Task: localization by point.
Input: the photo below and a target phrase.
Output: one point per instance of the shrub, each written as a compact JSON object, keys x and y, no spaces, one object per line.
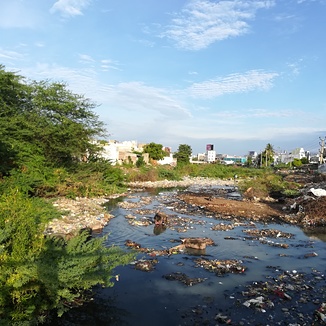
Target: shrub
{"x":39,"y":274}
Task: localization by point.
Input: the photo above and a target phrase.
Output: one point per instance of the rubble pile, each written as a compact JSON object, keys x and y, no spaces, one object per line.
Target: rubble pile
{"x":183,"y":278}
{"x":185,"y":182}
{"x":196,"y":243}
{"x":223,"y":227}
{"x":78,"y":214}
{"x":221,"y":267}
{"x":145,"y":265}
{"x":284,"y":294}
{"x":270,"y":233}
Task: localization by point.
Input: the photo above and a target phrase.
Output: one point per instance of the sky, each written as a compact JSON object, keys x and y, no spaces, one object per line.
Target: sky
{"x":236,"y":74}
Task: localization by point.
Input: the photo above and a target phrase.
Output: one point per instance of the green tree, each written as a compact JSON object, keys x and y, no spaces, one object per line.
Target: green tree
{"x":304,"y":160}
{"x":140,"y":162}
{"x":14,"y":100}
{"x":268,"y":155}
{"x":43,"y":119}
{"x":39,"y":273}
{"x":183,"y":154}
{"x":155,"y":151}
{"x":297,"y":162}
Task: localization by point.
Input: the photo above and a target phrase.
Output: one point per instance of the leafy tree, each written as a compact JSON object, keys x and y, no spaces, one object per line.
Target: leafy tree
{"x":268,"y":155}
{"x":39,"y":274}
{"x":297,"y":162}
{"x":140,"y":162}
{"x":304,"y":160}
{"x":183,"y":154}
{"x":43,"y":119}
{"x":155,"y":151}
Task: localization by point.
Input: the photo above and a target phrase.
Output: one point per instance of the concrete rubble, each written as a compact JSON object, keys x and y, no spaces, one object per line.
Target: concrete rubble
{"x":78,"y":214}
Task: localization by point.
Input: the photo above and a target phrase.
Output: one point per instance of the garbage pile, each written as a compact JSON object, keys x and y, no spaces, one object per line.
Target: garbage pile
{"x":285,"y":298}
{"x":308,"y":210}
{"x":183,"y":278}
{"x":145,"y":265}
{"x":196,"y":243}
{"x":221,"y":267}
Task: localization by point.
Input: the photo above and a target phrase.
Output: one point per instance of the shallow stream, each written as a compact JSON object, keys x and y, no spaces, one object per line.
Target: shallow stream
{"x":147,"y":298}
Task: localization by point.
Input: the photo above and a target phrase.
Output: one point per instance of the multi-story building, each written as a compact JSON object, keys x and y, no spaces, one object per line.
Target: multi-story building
{"x":210,"y":156}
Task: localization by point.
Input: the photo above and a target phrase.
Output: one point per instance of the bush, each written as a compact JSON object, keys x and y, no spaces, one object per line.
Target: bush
{"x":39,"y":274}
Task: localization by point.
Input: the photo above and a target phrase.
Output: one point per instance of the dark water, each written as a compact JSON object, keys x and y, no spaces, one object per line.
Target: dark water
{"x":146,"y":298}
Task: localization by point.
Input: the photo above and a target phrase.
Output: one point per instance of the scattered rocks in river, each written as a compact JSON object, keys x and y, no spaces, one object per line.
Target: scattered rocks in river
{"x":221,"y":267}
{"x":185,"y":182}
{"x":183,"y":278}
{"x":223,"y":227}
{"x":270,"y":233}
{"x":284,"y":295}
{"x":186,"y":243}
{"x":145,"y":265}
{"x":78,"y":214}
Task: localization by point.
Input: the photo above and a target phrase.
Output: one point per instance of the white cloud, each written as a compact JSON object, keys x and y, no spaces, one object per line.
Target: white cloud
{"x":234,"y":83}
{"x":70,"y":8}
{"x":131,"y":97}
{"x":107,"y":64}
{"x":202,"y":22}
{"x":85,"y":58}
{"x":295,"y":67}
{"x":137,"y":97}
{"x":255,"y":113}
{"x":11,"y":55}
{"x":18,"y":14}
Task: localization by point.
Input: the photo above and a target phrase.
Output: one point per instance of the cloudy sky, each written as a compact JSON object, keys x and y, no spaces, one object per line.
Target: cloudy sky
{"x":237,"y":74}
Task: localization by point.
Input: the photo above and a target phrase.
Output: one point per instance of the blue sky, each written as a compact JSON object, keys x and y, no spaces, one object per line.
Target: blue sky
{"x":236,"y":74}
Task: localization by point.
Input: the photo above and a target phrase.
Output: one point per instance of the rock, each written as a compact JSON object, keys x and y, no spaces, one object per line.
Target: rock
{"x":78,"y":214}
{"x":160,"y":218}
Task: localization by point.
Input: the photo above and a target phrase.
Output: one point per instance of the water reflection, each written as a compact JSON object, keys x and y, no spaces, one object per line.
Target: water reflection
{"x":317,"y":233}
{"x":158,"y":229}
{"x":146,"y":298}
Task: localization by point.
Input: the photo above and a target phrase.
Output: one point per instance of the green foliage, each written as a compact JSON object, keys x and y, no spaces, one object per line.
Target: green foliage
{"x":140,"y":162}
{"x":266,"y":158}
{"x":183,"y":154}
{"x":267,"y":184}
{"x":297,"y":163}
{"x":155,"y":151}
{"x":44,"y":121}
{"x":304,"y":160}
{"x":167,"y":173}
{"x":39,"y":274}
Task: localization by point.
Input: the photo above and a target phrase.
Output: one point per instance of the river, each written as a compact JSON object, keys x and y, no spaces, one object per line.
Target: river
{"x":284,"y":276}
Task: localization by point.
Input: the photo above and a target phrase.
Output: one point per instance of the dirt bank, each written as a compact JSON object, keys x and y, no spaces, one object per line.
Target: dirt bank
{"x":306,"y":210}
{"x":239,"y":208}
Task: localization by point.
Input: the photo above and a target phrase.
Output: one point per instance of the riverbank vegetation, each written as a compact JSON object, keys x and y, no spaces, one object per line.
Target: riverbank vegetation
{"x":45,"y":142}
{"x":46,"y":151}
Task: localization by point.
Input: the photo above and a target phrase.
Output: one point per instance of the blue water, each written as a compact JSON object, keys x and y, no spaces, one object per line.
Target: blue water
{"x":146,"y":298}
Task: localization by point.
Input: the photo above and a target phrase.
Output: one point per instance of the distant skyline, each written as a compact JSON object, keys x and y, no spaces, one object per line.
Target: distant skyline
{"x":236,"y":74}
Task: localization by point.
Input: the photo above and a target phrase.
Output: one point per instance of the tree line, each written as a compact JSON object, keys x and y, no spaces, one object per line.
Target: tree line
{"x":46,"y":133}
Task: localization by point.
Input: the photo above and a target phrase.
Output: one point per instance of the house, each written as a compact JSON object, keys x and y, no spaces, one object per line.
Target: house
{"x":122,"y":152}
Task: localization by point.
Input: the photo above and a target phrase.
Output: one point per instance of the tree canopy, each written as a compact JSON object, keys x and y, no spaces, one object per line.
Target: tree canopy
{"x":45,"y":132}
{"x":155,"y":151}
{"x":183,"y":154}
{"x":44,"y":121}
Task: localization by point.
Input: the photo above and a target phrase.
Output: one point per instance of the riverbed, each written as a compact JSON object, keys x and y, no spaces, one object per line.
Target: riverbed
{"x":281,"y":282}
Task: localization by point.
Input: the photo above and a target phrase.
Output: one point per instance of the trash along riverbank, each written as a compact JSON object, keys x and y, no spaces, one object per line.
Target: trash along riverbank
{"x":207,"y":262}
{"x":307,"y":210}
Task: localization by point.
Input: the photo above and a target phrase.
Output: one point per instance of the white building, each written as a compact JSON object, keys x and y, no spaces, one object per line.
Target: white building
{"x":118,"y":152}
{"x":210,"y":156}
{"x":168,"y":160}
{"x":297,"y":153}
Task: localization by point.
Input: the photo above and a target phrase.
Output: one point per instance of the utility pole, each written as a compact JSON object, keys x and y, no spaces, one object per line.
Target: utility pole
{"x":321,"y":151}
